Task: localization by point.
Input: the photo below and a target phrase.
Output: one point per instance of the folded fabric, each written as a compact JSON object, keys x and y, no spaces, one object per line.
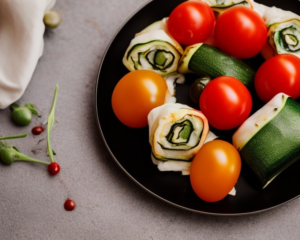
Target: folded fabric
{"x":21,"y":45}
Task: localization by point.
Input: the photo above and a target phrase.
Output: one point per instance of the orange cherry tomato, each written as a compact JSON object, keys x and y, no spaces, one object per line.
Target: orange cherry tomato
{"x":136,"y":94}
{"x":215,"y":170}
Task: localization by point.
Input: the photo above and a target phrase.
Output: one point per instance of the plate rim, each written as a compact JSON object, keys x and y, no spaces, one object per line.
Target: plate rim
{"x":126,"y":172}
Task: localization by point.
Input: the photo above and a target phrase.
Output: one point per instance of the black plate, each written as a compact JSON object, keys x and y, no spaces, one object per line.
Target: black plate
{"x":131,"y":150}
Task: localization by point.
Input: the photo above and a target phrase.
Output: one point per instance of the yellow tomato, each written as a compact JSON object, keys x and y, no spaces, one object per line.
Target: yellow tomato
{"x":136,"y":94}
{"x":215,"y":170}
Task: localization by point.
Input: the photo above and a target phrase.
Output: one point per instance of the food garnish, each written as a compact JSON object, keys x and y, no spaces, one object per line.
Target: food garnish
{"x":10,"y":154}
{"x":37,"y":130}
{"x":51,"y":121}
{"x":69,"y":205}
{"x":52,"y":19}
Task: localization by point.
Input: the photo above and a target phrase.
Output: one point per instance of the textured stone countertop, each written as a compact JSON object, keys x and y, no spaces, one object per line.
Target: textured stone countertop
{"x":109,"y":204}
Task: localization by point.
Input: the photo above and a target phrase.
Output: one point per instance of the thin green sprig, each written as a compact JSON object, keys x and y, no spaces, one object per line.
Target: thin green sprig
{"x":13,"y":137}
{"x":9,"y":155}
{"x":51,"y":121}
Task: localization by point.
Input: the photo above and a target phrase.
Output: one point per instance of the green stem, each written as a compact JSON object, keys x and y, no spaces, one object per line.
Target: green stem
{"x":23,"y":157}
{"x":51,"y":120}
{"x":14,"y":137}
{"x":14,"y":106}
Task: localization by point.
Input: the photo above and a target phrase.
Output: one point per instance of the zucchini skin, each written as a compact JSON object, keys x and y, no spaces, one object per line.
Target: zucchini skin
{"x":276,"y":146}
{"x":211,"y":61}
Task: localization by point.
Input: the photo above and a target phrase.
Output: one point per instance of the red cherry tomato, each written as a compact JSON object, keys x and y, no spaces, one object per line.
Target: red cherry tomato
{"x":53,"y":168}
{"x":240,"y":32}
{"x":69,"y":205}
{"x":191,"y":22}
{"x":226,"y":102}
{"x":278,"y":74}
{"x":136,"y":94}
{"x":215,"y":170}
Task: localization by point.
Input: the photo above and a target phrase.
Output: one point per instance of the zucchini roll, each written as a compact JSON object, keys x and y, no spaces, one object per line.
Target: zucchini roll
{"x":153,"y":49}
{"x":283,"y":31}
{"x":220,"y":6}
{"x":176,"y":133}
{"x":206,"y":60}
{"x":269,"y":141}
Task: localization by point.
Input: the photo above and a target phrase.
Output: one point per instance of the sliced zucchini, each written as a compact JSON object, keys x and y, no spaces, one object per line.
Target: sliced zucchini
{"x":269,"y":141}
{"x":177,"y":132}
{"x":154,"y":50}
{"x":285,"y":37}
{"x":181,"y":166}
{"x":205,"y":60}
{"x":222,"y":5}
{"x":283,"y":30}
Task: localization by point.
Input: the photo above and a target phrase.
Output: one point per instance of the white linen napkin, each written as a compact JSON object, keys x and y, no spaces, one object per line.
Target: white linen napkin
{"x":21,"y":45}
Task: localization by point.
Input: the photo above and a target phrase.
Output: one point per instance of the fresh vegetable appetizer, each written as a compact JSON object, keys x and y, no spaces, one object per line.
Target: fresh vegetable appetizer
{"x":269,"y":140}
{"x":283,"y":31}
{"x":176,"y":133}
{"x":206,"y":60}
{"x":153,"y":50}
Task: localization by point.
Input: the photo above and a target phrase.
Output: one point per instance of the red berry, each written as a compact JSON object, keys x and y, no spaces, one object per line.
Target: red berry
{"x":53,"y":168}
{"x":69,"y":205}
{"x":37,"y":130}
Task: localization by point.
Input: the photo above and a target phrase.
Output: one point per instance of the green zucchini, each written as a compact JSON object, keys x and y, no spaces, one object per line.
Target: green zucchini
{"x":284,"y":37}
{"x":154,"y":50}
{"x":177,"y":132}
{"x":269,"y":141}
{"x":221,"y":6}
{"x":204,"y":60}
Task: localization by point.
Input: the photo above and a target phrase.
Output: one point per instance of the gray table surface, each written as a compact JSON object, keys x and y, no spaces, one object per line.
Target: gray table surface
{"x":109,"y":204}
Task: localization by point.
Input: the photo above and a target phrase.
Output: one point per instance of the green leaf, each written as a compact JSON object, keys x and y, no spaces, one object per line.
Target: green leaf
{"x":51,"y":120}
{"x":16,"y":149}
{"x":32,"y":108}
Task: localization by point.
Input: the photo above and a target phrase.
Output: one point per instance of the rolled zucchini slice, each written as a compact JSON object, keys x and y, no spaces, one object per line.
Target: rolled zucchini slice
{"x":153,"y":50}
{"x":220,"y":6}
{"x":284,"y":37}
{"x":269,"y":141}
{"x":283,"y":31}
{"x":206,"y":60}
{"x":176,"y":133}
